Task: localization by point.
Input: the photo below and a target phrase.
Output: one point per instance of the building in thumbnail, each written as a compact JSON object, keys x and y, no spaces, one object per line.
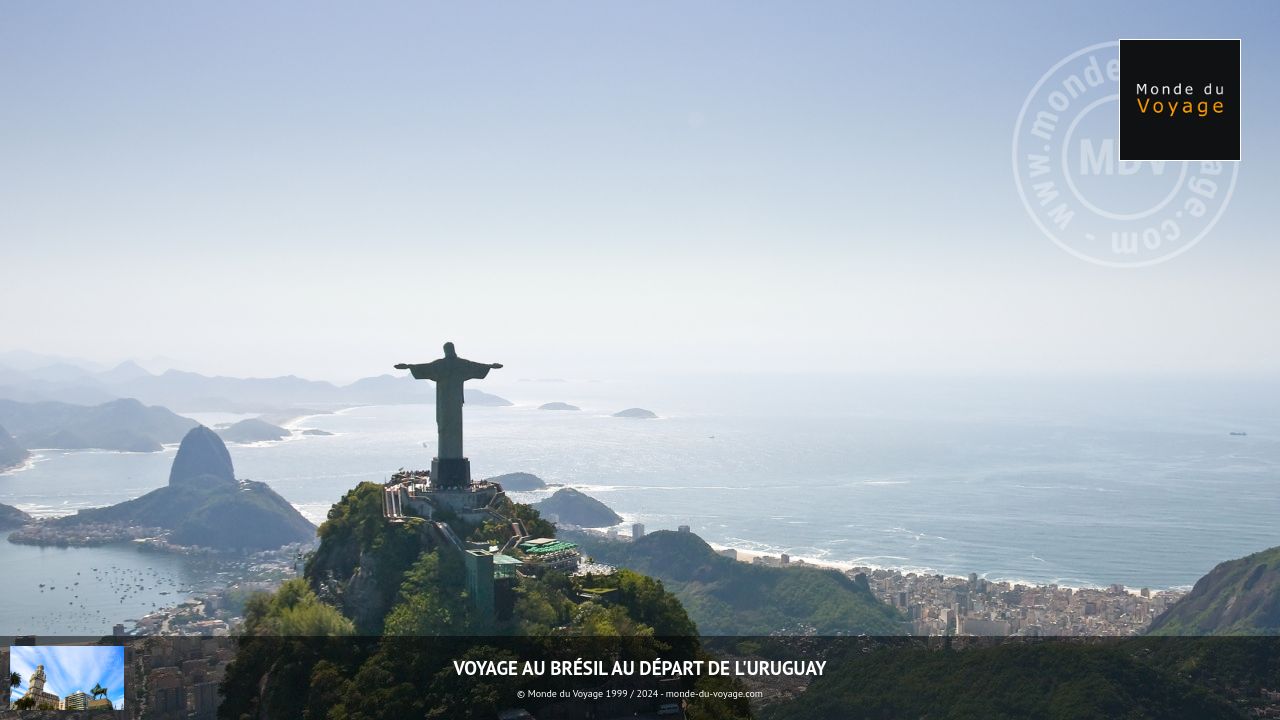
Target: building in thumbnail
{"x":40,"y":697}
{"x":77,"y":700}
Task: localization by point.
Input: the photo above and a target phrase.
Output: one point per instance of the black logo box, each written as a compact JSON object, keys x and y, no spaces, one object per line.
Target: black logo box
{"x":1210,"y":132}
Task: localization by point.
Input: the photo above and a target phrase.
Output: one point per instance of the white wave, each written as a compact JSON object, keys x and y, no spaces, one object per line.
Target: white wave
{"x":589,"y":488}
{"x":40,"y":510}
{"x":27,"y":464}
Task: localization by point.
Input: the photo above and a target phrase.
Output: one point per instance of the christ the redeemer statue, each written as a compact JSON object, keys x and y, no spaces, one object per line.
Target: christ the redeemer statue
{"x":450,"y":468}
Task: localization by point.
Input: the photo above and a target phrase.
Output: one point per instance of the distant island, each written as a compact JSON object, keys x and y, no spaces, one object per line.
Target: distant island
{"x":11,"y":453}
{"x":253,"y":430}
{"x":203,"y":506}
{"x":124,"y":424}
{"x":11,"y":517}
{"x":558,"y":406}
{"x":317,"y":432}
{"x":519,"y":481}
{"x":577,"y":508}
{"x":639,"y":413}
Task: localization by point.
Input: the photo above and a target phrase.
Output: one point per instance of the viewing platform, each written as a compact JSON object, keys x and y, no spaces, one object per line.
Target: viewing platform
{"x":410,"y":493}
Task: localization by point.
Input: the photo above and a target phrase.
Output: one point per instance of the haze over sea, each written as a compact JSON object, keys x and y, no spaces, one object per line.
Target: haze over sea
{"x":1088,"y":481}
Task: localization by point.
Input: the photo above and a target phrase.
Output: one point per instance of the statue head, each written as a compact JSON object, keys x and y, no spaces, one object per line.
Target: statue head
{"x":449,"y":351}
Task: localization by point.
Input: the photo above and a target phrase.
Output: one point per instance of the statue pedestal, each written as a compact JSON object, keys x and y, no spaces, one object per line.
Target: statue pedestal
{"x":450,"y":472}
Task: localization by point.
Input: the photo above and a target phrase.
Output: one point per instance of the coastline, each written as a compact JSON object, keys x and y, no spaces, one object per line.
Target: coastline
{"x":750,"y":556}
{"x":293,"y":422}
{"x":747,"y":549}
{"x":29,"y":462}
{"x":747,"y":555}
{"x":313,"y":513}
{"x":936,"y":604}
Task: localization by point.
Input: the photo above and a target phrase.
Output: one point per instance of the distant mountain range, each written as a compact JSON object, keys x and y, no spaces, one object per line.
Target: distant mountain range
{"x":203,"y":505}
{"x":115,"y":425}
{"x":69,"y":406}
{"x":192,"y":392}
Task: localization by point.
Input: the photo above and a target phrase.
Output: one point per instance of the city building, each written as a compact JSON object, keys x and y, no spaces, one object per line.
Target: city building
{"x":943,"y":605}
{"x":36,"y":691}
{"x":550,"y":554}
{"x":76,"y":701}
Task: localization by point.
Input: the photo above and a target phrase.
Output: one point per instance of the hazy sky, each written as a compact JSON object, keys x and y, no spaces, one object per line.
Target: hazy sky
{"x":579,"y":188}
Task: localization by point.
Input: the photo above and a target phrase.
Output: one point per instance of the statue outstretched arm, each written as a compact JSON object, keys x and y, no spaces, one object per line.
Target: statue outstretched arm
{"x":424,"y":371}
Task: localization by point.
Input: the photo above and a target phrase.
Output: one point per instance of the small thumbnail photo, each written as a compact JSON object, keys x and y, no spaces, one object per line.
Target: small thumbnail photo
{"x":67,"y":677}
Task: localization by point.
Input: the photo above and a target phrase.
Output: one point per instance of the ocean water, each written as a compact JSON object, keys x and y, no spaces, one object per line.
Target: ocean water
{"x":1084,"y":482}
{"x":86,"y":591}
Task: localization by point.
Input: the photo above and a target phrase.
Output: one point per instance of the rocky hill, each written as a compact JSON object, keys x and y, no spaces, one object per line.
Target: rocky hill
{"x":1238,"y":597}
{"x":11,"y":453}
{"x":576,"y":508}
{"x":362,"y":558}
{"x":728,"y":597}
{"x":203,"y":505}
{"x":519,"y":481}
{"x":409,"y":599}
{"x":11,"y":517}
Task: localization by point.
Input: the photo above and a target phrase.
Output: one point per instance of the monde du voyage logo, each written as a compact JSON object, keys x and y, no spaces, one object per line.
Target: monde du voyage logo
{"x":1124,"y":152}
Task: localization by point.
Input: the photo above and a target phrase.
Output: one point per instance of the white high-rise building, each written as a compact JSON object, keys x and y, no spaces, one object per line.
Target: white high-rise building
{"x":76,"y":701}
